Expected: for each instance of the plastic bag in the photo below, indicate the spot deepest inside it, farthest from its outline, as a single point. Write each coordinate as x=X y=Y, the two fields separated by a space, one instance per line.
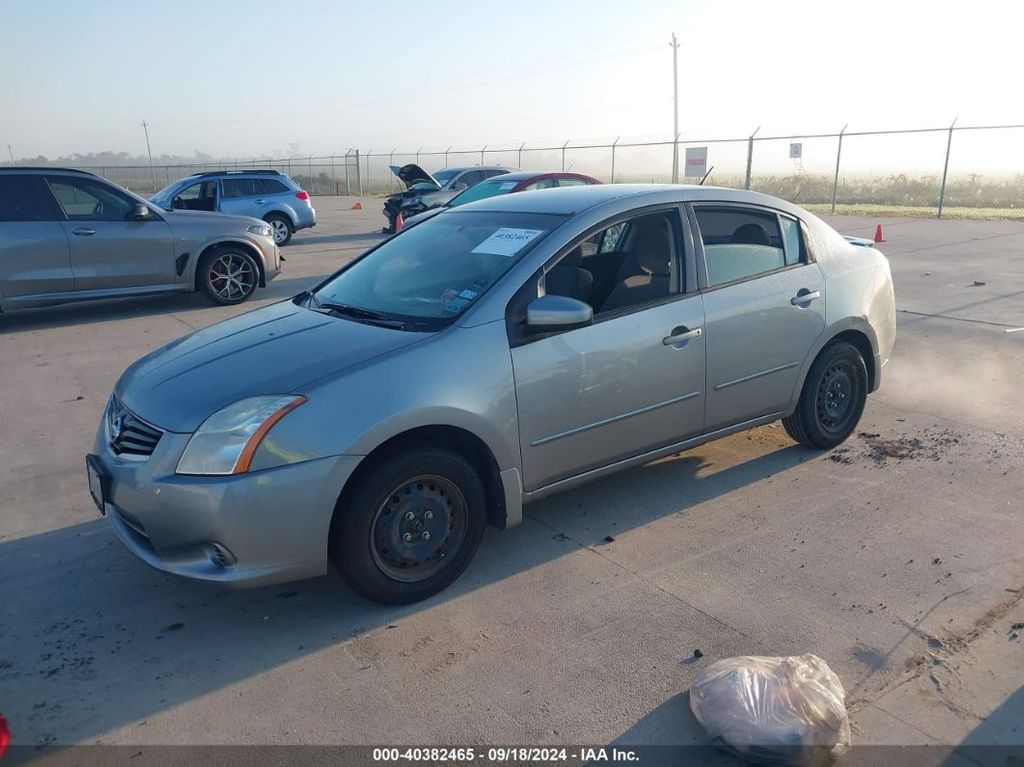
x=773 y=710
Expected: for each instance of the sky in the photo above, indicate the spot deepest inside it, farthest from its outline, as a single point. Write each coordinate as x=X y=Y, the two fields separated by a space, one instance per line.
x=240 y=79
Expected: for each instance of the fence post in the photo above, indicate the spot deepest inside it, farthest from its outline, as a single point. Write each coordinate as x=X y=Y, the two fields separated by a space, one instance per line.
x=520 y=160
x=563 y=154
x=612 y=181
x=418 y=155
x=369 y=187
x=750 y=157
x=391 y=178
x=482 y=154
x=334 y=181
x=359 y=174
x=311 y=182
x=446 y=151
x=835 y=180
x=945 y=167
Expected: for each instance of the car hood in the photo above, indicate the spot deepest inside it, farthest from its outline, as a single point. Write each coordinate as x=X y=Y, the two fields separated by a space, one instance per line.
x=419 y=218
x=413 y=174
x=225 y=221
x=273 y=350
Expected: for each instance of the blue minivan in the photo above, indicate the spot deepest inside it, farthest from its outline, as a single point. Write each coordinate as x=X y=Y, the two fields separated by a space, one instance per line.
x=265 y=194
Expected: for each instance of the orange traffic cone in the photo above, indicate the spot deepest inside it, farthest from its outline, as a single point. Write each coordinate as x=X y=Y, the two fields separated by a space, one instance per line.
x=399 y=223
x=878 y=234
x=357 y=206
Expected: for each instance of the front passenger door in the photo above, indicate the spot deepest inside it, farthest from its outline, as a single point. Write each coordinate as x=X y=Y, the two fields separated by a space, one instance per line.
x=109 y=250
x=631 y=382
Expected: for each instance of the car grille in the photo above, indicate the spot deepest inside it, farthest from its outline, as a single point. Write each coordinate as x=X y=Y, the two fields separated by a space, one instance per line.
x=129 y=434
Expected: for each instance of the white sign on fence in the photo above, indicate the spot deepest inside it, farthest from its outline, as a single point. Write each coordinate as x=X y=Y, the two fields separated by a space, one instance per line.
x=796 y=151
x=696 y=161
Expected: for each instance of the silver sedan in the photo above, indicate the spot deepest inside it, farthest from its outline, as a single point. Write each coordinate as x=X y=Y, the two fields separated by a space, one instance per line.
x=491 y=356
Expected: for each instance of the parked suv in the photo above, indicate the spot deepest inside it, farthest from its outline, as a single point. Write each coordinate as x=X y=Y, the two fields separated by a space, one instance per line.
x=67 y=235
x=264 y=194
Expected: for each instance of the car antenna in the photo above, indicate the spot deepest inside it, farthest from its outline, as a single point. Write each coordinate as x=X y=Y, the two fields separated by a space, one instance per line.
x=705 y=176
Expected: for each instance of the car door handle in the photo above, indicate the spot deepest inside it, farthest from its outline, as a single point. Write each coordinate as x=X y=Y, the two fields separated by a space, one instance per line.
x=681 y=335
x=261 y=202
x=805 y=297
x=83 y=231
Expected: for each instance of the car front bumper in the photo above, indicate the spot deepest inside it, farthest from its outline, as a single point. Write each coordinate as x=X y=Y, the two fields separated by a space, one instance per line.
x=242 y=530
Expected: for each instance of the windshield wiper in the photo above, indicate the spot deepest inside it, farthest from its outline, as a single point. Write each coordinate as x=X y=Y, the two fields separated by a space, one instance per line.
x=358 y=313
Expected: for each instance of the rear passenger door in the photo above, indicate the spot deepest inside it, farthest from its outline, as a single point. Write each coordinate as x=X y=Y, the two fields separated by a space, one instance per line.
x=764 y=304
x=238 y=197
x=34 y=254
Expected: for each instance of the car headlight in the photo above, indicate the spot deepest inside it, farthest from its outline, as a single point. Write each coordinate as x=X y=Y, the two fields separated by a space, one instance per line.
x=261 y=229
x=226 y=441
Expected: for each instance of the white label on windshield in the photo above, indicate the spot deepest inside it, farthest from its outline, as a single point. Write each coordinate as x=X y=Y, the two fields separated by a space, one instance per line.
x=507 y=242
x=507 y=185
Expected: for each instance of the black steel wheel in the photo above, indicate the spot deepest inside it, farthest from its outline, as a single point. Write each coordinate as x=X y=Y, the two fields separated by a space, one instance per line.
x=832 y=399
x=409 y=525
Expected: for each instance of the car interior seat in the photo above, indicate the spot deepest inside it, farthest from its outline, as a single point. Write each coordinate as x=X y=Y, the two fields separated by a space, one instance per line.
x=569 y=278
x=652 y=255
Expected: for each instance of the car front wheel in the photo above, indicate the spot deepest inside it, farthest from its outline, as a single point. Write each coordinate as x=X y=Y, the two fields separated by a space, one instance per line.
x=227 y=275
x=832 y=399
x=282 y=228
x=410 y=525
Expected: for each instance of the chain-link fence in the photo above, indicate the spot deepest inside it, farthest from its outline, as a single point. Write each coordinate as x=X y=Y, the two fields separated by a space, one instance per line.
x=954 y=172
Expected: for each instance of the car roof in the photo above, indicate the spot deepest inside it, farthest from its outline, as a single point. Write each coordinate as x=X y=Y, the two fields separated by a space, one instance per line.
x=574 y=199
x=523 y=175
x=461 y=168
x=42 y=169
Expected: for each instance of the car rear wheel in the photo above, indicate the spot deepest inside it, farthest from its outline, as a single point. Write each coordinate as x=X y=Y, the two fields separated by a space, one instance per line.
x=282 y=228
x=228 y=275
x=410 y=526
x=832 y=399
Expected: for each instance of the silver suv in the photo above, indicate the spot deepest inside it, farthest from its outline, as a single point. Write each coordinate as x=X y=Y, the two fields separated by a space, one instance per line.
x=263 y=194
x=67 y=235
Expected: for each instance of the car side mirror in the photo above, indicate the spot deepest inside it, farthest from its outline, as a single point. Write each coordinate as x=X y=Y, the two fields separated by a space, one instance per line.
x=139 y=213
x=550 y=312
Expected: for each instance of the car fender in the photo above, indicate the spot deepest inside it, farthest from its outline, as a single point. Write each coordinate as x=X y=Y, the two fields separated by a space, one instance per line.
x=188 y=275
x=859 y=324
x=284 y=210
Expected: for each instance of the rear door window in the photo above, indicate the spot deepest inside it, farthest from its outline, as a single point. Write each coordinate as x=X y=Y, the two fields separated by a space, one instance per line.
x=572 y=182
x=236 y=187
x=472 y=178
x=24 y=198
x=739 y=243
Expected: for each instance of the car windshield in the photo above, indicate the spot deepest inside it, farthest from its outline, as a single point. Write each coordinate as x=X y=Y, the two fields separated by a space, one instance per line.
x=165 y=191
x=482 y=191
x=446 y=175
x=432 y=272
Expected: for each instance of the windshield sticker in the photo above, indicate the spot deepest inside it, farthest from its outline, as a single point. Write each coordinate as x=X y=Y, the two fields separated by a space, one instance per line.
x=507 y=241
x=507 y=185
x=469 y=295
x=448 y=295
x=455 y=305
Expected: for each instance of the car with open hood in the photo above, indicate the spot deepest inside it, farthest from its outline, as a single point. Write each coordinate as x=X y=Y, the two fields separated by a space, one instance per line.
x=424 y=190
x=489 y=357
x=508 y=183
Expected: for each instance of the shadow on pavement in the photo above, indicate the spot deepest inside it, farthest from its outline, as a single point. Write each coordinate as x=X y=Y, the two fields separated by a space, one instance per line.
x=104 y=310
x=92 y=639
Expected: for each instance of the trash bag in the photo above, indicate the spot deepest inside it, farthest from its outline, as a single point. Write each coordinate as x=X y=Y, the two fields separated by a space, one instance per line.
x=773 y=710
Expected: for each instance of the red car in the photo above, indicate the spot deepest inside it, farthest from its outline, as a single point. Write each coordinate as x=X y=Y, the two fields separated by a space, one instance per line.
x=508 y=183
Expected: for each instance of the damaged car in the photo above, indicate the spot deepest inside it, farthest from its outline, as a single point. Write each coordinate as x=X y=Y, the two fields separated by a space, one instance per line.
x=424 y=191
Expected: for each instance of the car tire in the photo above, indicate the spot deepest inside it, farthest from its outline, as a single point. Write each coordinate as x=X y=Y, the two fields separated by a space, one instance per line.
x=227 y=275
x=832 y=399
x=409 y=526
x=282 y=227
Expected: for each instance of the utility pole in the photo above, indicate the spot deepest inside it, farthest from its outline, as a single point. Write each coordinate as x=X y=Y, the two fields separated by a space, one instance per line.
x=675 y=102
x=11 y=153
x=152 y=171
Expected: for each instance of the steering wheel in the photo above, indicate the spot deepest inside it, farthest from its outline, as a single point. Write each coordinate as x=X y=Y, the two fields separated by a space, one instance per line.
x=178 y=204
